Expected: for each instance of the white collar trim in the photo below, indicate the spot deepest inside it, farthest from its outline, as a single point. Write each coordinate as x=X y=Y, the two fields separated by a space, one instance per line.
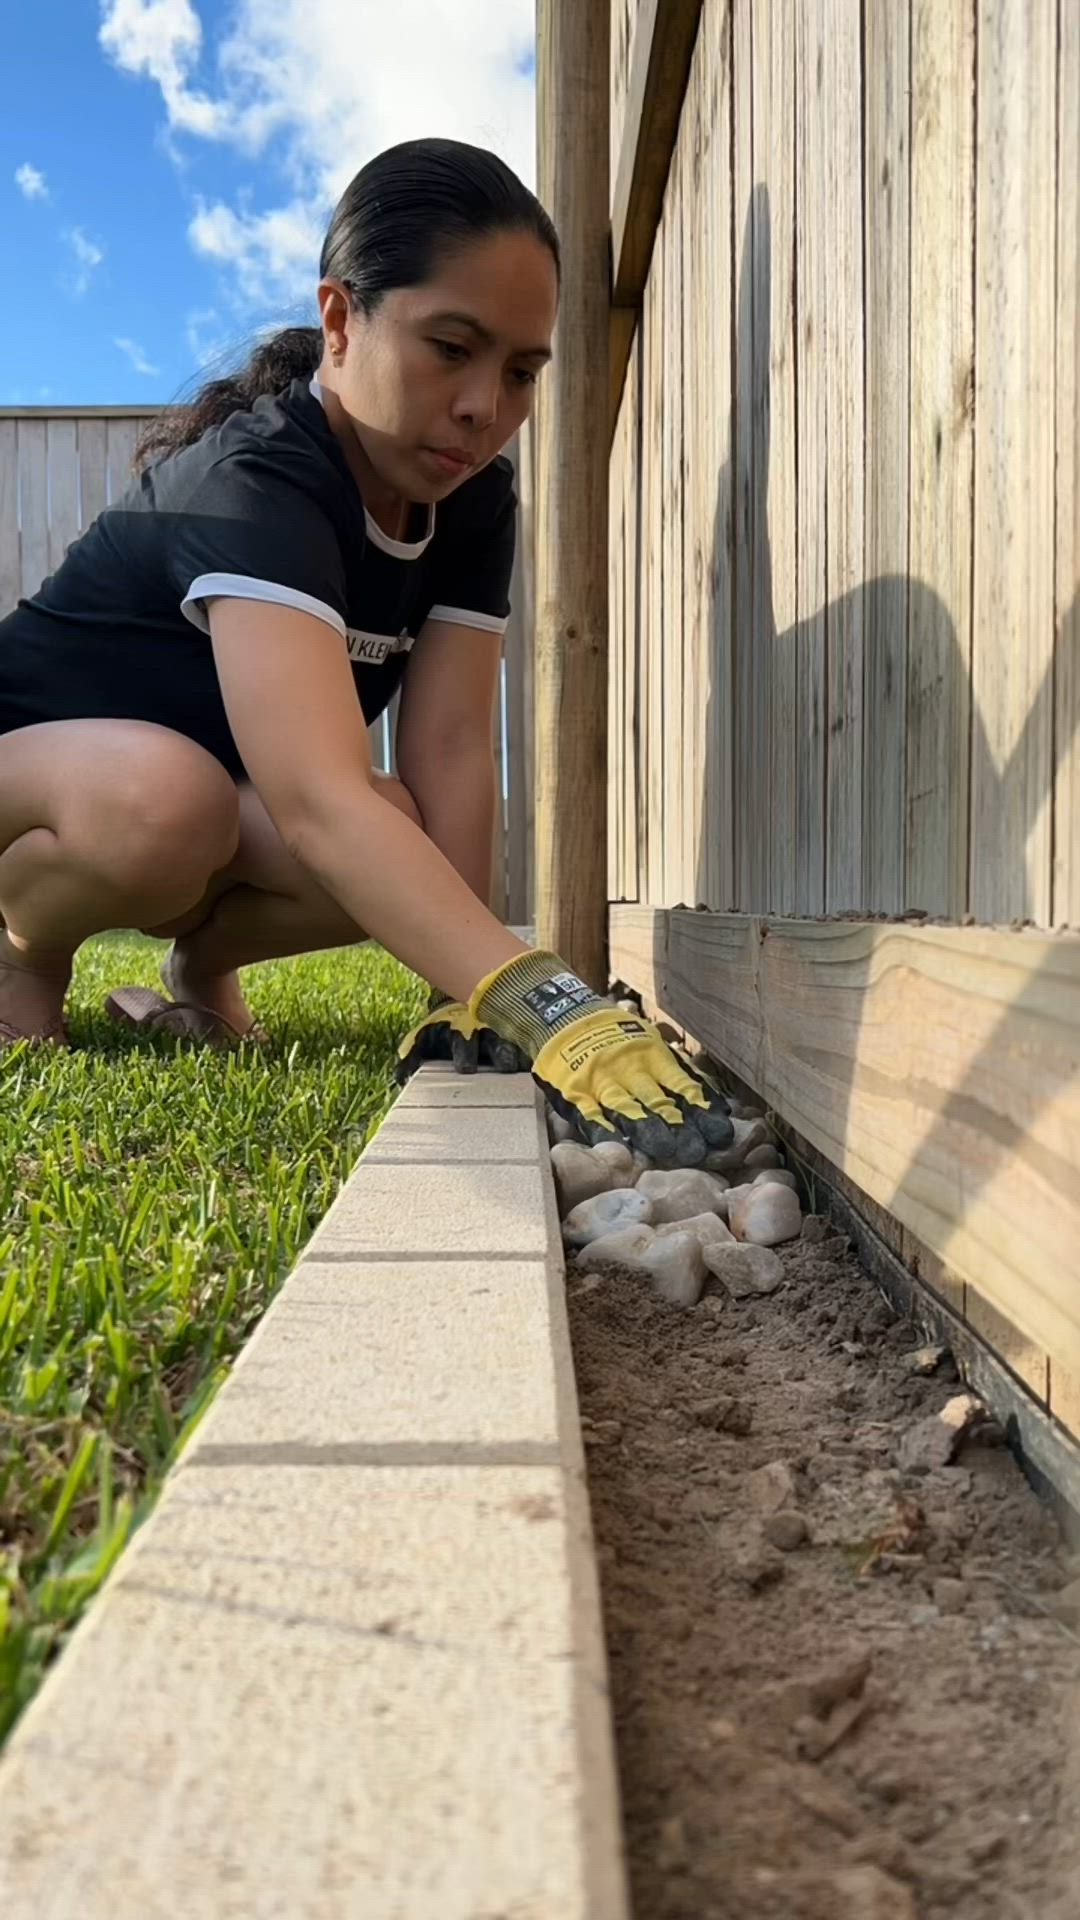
x=401 y=549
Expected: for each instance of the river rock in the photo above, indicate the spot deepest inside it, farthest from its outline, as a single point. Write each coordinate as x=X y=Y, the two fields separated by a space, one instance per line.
x=766 y=1216
x=766 y=1156
x=676 y=1266
x=743 y=1271
x=578 y=1174
x=748 y=1134
x=777 y=1177
x=625 y=1247
x=618 y=1160
x=558 y=1128
x=681 y=1193
x=604 y=1213
x=707 y=1228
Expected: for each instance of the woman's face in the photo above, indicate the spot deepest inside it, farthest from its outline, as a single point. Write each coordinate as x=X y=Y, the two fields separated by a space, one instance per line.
x=442 y=375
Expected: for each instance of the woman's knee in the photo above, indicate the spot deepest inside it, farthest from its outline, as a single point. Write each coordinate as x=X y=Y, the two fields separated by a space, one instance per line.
x=166 y=818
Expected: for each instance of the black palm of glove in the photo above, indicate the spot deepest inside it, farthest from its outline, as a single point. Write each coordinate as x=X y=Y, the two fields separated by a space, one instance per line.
x=609 y=1073
x=449 y=1032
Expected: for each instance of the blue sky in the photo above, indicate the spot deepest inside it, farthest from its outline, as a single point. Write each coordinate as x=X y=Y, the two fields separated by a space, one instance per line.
x=167 y=167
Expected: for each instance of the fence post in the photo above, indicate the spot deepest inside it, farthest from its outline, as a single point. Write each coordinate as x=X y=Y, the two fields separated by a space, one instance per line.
x=572 y=112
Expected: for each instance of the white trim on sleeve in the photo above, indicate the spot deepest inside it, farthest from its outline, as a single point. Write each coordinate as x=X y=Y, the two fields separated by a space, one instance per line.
x=461 y=617
x=240 y=586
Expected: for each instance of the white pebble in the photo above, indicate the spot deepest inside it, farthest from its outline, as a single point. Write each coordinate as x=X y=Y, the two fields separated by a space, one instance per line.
x=682 y=1192
x=766 y=1216
x=642 y=1164
x=744 y=1271
x=676 y=1267
x=558 y=1128
x=766 y=1156
x=578 y=1175
x=748 y=1135
x=618 y=1160
x=625 y=1247
x=776 y=1177
x=707 y=1228
x=604 y=1213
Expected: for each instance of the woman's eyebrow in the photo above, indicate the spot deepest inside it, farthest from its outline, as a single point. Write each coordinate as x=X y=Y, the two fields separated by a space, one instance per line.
x=483 y=333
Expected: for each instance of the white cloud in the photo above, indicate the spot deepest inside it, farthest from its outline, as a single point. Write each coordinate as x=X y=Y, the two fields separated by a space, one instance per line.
x=137 y=357
x=272 y=255
x=318 y=87
x=163 y=39
x=88 y=257
x=30 y=182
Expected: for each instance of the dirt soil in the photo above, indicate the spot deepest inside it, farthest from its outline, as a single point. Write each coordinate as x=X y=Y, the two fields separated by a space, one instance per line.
x=840 y=1688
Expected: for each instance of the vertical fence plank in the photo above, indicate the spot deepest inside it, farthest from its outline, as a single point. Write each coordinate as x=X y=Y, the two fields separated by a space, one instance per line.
x=812 y=242
x=653 y=633
x=942 y=451
x=887 y=173
x=120 y=441
x=697 y=347
x=845 y=457
x=62 y=453
x=518 y=646
x=10 y=576
x=749 y=828
x=774 y=170
x=1014 y=461
x=93 y=490
x=33 y=504
x=717 y=866
x=674 y=890
x=1066 y=902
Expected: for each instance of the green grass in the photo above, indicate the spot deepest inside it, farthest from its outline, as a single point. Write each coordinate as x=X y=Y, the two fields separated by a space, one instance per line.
x=153 y=1196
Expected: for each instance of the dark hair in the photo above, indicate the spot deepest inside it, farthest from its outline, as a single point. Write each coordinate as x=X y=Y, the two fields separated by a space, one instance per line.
x=396 y=220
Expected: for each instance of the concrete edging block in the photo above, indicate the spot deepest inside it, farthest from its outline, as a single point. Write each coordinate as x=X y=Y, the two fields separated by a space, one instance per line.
x=353 y=1662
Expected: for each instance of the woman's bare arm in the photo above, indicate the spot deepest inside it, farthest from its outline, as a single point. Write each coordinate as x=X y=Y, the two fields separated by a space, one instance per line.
x=444 y=743
x=292 y=706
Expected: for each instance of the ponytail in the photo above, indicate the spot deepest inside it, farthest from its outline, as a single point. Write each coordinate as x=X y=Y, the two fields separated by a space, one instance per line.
x=292 y=354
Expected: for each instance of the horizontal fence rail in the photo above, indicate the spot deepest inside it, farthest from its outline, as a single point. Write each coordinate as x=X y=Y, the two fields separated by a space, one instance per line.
x=60 y=466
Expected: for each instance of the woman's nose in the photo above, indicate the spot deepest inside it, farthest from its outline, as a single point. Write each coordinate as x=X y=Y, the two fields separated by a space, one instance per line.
x=478 y=401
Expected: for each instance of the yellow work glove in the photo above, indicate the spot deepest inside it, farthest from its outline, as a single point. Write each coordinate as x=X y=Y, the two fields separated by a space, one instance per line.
x=608 y=1072
x=449 y=1032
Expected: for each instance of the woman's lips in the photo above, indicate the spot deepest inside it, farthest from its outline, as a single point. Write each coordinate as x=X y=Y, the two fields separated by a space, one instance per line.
x=450 y=461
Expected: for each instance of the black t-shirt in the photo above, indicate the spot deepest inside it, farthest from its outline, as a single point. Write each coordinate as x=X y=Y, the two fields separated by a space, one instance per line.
x=262 y=507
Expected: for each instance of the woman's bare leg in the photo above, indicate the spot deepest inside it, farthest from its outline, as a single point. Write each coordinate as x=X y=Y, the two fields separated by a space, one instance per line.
x=103 y=823
x=263 y=906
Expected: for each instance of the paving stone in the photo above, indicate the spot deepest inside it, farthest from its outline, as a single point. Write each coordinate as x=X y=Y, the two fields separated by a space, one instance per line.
x=455 y=1353
x=435 y=1087
x=302 y=1696
x=436 y=1134
x=464 y=1210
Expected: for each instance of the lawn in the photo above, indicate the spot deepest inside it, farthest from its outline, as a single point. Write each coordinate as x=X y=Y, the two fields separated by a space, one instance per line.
x=154 y=1197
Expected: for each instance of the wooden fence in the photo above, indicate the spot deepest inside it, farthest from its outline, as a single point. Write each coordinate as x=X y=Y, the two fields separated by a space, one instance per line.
x=845 y=549
x=60 y=467
x=844 y=571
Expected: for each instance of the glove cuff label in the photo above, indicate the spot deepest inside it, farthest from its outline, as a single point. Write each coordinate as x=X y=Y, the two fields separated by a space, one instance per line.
x=553 y=999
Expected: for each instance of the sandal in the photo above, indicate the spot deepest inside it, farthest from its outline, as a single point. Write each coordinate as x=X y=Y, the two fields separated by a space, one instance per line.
x=55 y=1037
x=150 y=1012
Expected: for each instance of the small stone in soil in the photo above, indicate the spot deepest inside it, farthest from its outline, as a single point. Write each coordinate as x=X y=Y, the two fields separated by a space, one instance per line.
x=867 y=1893
x=816 y=1227
x=932 y=1442
x=758 y=1567
x=787 y=1530
x=772 y=1487
x=723 y=1413
x=925 y=1360
x=744 y=1271
x=950 y=1596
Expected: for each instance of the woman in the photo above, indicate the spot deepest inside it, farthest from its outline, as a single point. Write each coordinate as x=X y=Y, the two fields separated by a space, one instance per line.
x=184 y=704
